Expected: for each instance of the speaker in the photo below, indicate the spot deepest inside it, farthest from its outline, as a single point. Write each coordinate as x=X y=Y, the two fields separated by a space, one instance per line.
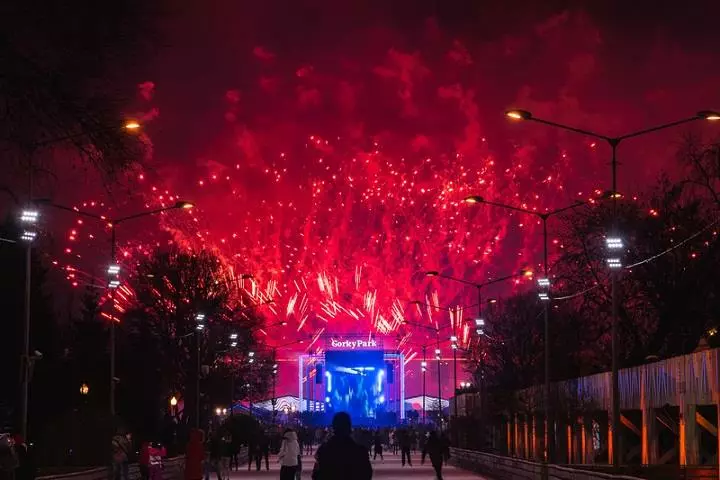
x=390 y=369
x=318 y=373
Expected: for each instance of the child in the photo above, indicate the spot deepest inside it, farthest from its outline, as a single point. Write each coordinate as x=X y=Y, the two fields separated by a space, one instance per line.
x=157 y=452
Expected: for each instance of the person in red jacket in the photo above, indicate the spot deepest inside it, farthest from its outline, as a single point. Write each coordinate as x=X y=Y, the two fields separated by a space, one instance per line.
x=157 y=452
x=195 y=455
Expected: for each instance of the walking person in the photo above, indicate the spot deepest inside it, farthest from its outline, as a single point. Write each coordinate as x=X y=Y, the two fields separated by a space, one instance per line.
x=405 y=443
x=340 y=457
x=121 y=448
x=378 y=447
x=214 y=456
x=438 y=452
x=289 y=455
x=262 y=451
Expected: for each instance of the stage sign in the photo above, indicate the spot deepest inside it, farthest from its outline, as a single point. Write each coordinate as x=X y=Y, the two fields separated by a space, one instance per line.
x=353 y=343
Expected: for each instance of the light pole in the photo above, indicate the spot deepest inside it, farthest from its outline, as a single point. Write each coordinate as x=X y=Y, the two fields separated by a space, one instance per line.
x=29 y=217
x=544 y=296
x=613 y=142
x=423 y=365
x=114 y=268
x=479 y=287
x=199 y=328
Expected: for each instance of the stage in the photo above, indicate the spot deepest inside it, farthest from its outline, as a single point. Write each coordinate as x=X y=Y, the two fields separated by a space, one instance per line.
x=354 y=374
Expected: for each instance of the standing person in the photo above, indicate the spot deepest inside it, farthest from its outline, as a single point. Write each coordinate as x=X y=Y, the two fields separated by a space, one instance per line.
x=378 y=447
x=340 y=457
x=405 y=443
x=391 y=441
x=195 y=455
x=8 y=458
x=26 y=465
x=288 y=456
x=144 y=461
x=214 y=456
x=156 y=453
x=438 y=452
x=121 y=447
x=262 y=451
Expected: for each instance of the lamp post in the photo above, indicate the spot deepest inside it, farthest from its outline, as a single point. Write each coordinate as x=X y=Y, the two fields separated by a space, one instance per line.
x=479 y=287
x=28 y=218
x=613 y=142
x=544 y=296
x=173 y=406
x=114 y=268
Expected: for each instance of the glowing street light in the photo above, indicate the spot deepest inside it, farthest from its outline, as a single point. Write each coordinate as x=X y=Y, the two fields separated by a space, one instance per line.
x=173 y=401
x=479 y=322
x=233 y=336
x=29 y=216
x=708 y=115
x=614 y=263
x=614 y=243
x=84 y=389
x=544 y=282
x=113 y=269
x=544 y=296
x=132 y=125
x=114 y=283
x=200 y=317
x=519 y=115
x=28 y=236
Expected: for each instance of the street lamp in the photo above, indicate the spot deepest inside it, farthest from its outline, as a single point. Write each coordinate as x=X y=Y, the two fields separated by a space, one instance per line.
x=614 y=142
x=478 y=286
x=84 y=389
x=114 y=282
x=29 y=218
x=543 y=295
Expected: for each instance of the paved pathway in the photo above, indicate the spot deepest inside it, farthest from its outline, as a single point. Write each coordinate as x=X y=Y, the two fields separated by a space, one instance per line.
x=389 y=469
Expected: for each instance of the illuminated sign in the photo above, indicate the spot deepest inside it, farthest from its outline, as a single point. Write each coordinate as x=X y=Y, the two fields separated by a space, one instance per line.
x=353 y=344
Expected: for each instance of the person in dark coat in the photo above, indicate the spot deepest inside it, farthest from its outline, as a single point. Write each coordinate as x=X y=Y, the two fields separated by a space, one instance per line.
x=340 y=457
x=438 y=451
x=262 y=450
x=378 y=447
x=405 y=444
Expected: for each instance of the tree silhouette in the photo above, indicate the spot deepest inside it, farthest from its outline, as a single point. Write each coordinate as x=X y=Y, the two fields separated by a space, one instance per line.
x=171 y=288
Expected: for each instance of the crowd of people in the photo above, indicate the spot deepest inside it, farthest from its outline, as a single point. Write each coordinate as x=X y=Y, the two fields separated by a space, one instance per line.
x=339 y=452
x=342 y=450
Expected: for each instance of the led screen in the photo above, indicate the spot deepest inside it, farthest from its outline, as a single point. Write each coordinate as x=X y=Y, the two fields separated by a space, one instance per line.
x=355 y=383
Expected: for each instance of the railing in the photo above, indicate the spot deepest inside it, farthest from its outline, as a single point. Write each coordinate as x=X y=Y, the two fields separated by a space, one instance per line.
x=174 y=470
x=501 y=467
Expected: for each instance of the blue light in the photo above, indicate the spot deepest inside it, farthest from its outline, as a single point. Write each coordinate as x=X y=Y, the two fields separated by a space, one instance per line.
x=328 y=375
x=381 y=399
x=327 y=399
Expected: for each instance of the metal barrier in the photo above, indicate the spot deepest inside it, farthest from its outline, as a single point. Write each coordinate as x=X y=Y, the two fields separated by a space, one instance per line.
x=174 y=469
x=500 y=467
